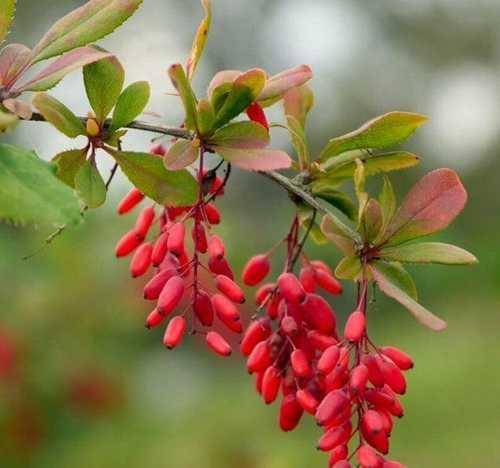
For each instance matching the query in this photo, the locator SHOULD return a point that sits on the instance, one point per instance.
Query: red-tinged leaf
(20, 108)
(430, 206)
(13, 59)
(180, 155)
(242, 135)
(200, 40)
(340, 234)
(298, 102)
(255, 159)
(7, 9)
(279, 84)
(92, 21)
(420, 313)
(58, 69)
(221, 78)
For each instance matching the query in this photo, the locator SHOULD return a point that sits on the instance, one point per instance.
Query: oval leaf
(89, 185)
(255, 159)
(180, 155)
(382, 132)
(8, 7)
(348, 268)
(13, 58)
(132, 101)
(429, 252)
(278, 84)
(183, 87)
(242, 135)
(397, 275)
(67, 165)
(200, 40)
(430, 206)
(340, 234)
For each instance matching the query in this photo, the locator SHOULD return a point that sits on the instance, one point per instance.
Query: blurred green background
(88, 386)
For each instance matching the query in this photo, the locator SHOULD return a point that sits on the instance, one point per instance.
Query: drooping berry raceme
(203, 293)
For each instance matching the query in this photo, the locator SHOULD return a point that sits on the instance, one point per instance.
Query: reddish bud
(144, 221)
(158, 149)
(174, 332)
(290, 288)
(141, 261)
(160, 249)
(290, 413)
(175, 241)
(401, 359)
(171, 295)
(256, 269)
(212, 213)
(328, 360)
(386, 420)
(271, 382)
(300, 363)
(258, 331)
(307, 401)
(130, 201)
(127, 244)
(203, 310)
(229, 288)
(368, 458)
(355, 327)
(215, 247)
(218, 344)
(260, 358)
(319, 315)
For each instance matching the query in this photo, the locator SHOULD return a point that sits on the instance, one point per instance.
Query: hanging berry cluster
(182, 282)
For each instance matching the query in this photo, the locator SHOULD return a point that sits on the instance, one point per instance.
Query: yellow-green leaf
(183, 87)
(243, 135)
(89, 185)
(7, 9)
(200, 39)
(181, 154)
(429, 252)
(348, 268)
(67, 165)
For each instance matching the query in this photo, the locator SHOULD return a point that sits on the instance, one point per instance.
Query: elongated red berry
(218, 344)
(130, 201)
(307, 400)
(230, 289)
(374, 374)
(224, 308)
(355, 327)
(160, 249)
(291, 288)
(220, 266)
(358, 379)
(256, 113)
(212, 213)
(328, 282)
(289, 326)
(290, 413)
(155, 285)
(257, 331)
(341, 452)
(144, 221)
(386, 420)
(203, 310)
(154, 319)
(216, 247)
(300, 363)
(392, 464)
(175, 242)
(319, 341)
(141, 261)
(256, 269)
(328, 360)
(199, 238)
(400, 358)
(333, 404)
(392, 376)
(171, 295)
(371, 422)
(271, 382)
(158, 149)
(260, 358)
(319, 315)
(368, 458)
(379, 441)
(174, 332)
(263, 292)
(307, 279)
(334, 437)
(127, 244)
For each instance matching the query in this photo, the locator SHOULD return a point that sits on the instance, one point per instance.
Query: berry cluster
(295, 348)
(178, 275)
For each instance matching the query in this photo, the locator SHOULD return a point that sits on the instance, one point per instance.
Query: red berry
(392, 464)
(319, 341)
(127, 244)
(171, 295)
(144, 221)
(224, 308)
(342, 464)
(328, 360)
(203, 310)
(374, 374)
(334, 437)
(154, 319)
(158, 149)
(174, 332)
(378, 441)
(258, 331)
(319, 315)
(333, 404)
(371, 422)
(215, 247)
(392, 376)
(307, 401)
(368, 458)
(256, 114)
(199, 238)
(212, 213)
(300, 363)
(271, 382)
(130, 201)
(401, 359)
(307, 279)
(141, 261)
(218, 344)
(263, 292)
(328, 282)
(229, 288)
(289, 326)
(220, 266)
(290, 288)
(175, 242)
(256, 269)
(358, 379)
(355, 327)
(155, 285)
(339, 453)
(290, 413)
(260, 358)
(160, 249)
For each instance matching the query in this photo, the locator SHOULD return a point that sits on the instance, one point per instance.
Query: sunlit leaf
(206, 117)
(147, 172)
(103, 85)
(13, 58)
(67, 165)
(429, 252)
(89, 185)
(200, 40)
(299, 140)
(132, 101)
(279, 84)
(382, 132)
(255, 159)
(181, 154)
(181, 84)
(7, 9)
(348, 268)
(224, 77)
(92, 21)
(59, 68)
(59, 115)
(430, 206)
(30, 193)
(420, 313)
(243, 135)
(298, 102)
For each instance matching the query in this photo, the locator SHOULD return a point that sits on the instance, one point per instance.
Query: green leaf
(348, 268)
(255, 159)
(420, 313)
(30, 193)
(7, 121)
(103, 84)
(359, 186)
(243, 135)
(13, 58)
(245, 89)
(372, 220)
(299, 140)
(188, 98)
(67, 165)
(279, 84)
(336, 198)
(298, 102)
(132, 101)
(429, 252)
(342, 167)
(382, 132)
(398, 276)
(430, 206)
(89, 185)
(206, 117)
(387, 200)
(7, 9)
(58, 69)
(200, 40)
(181, 154)
(147, 172)
(87, 24)
(59, 115)
(340, 234)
